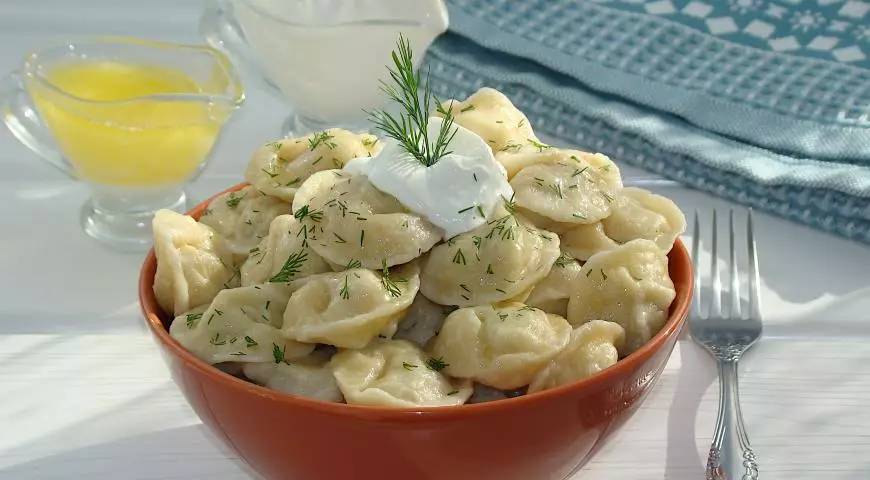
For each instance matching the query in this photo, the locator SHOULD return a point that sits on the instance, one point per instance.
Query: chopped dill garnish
(476, 241)
(578, 215)
(475, 176)
(540, 146)
(250, 342)
(510, 205)
(291, 267)
(275, 146)
(556, 188)
(466, 109)
(459, 257)
(489, 270)
(321, 138)
(389, 282)
(579, 171)
(521, 123)
(338, 163)
(292, 182)
(588, 272)
(409, 366)
(192, 318)
(608, 197)
(452, 392)
(464, 287)
(317, 161)
(603, 275)
(338, 238)
(511, 146)
(278, 353)
(270, 174)
(344, 292)
(437, 364)
(238, 354)
(501, 291)
(216, 341)
(481, 212)
(304, 211)
(465, 209)
(362, 237)
(233, 200)
(354, 263)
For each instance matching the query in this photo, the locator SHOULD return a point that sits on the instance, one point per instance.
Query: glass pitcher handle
(23, 121)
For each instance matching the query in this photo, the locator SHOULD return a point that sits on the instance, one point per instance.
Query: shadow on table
(179, 453)
(697, 372)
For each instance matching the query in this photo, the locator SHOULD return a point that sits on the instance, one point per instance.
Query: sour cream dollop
(456, 194)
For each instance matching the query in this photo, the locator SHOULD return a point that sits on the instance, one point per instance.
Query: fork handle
(731, 457)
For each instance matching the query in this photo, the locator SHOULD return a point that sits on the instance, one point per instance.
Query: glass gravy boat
(325, 57)
(135, 120)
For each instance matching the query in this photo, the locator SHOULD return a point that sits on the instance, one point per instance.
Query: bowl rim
(150, 310)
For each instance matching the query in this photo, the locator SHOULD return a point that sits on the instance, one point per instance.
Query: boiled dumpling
(551, 294)
(499, 347)
(349, 220)
(422, 322)
(193, 262)
(280, 168)
(350, 308)
(283, 256)
(640, 213)
(396, 373)
(240, 325)
(303, 377)
(242, 218)
(568, 186)
(497, 261)
(583, 241)
(492, 116)
(592, 348)
(483, 394)
(628, 285)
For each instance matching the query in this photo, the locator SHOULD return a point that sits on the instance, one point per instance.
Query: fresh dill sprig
(233, 200)
(409, 129)
(291, 267)
(344, 292)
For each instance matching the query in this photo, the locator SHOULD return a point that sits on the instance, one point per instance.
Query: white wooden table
(86, 395)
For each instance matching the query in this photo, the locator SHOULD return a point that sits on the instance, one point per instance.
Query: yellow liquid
(127, 141)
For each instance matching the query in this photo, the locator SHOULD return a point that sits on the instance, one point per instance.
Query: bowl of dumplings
(324, 329)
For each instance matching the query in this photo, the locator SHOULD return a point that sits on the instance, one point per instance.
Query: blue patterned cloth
(766, 103)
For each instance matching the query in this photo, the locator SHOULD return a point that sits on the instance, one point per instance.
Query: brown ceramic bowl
(543, 436)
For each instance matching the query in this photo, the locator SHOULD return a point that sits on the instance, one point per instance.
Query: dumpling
(284, 255)
(303, 377)
(240, 325)
(396, 373)
(500, 347)
(491, 115)
(348, 309)
(422, 322)
(242, 218)
(583, 241)
(639, 213)
(592, 348)
(193, 262)
(628, 285)
(551, 294)
(349, 220)
(568, 186)
(483, 394)
(280, 168)
(497, 261)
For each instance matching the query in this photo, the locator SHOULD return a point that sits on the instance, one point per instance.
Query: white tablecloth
(85, 394)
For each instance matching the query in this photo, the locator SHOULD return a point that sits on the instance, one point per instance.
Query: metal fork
(727, 335)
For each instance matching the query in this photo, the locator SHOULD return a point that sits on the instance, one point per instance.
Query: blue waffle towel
(765, 103)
